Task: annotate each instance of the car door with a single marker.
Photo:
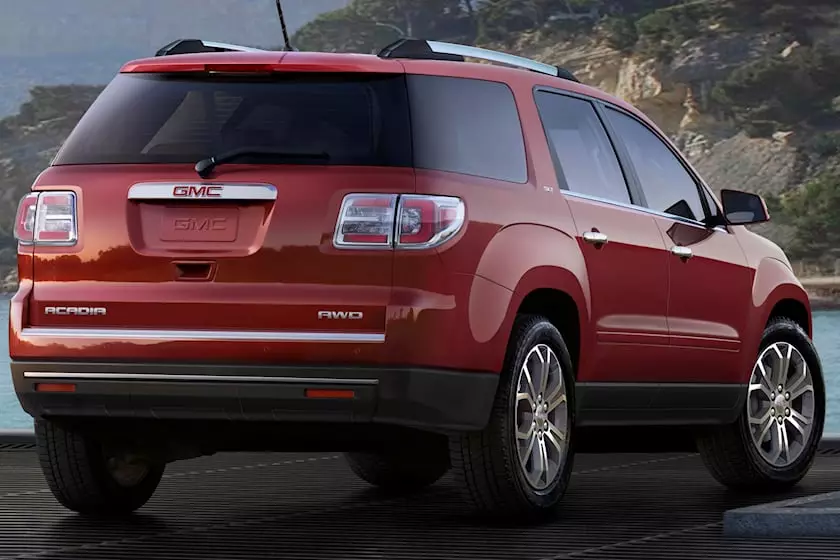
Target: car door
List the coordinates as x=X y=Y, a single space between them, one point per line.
x=625 y=257
x=710 y=281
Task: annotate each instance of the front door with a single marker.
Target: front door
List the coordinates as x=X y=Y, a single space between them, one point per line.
x=624 y=253
x=710 y=280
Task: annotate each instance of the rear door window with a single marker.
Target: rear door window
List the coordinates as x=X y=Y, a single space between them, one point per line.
x=356 y=119
x=467 y=126
x=585 y=157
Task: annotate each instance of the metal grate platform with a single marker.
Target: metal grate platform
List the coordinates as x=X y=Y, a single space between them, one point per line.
x=311 y=506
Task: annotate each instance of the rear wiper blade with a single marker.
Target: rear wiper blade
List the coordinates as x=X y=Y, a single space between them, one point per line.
x=205 y=167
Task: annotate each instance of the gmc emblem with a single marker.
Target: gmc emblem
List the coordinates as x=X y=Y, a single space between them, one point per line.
x=194 y=224
x=192 y=191
x=79 y=311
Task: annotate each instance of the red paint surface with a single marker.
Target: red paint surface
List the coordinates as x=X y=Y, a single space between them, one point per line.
x=644 y=314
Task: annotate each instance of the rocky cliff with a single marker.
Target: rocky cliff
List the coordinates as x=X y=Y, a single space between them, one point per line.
x=749 y=89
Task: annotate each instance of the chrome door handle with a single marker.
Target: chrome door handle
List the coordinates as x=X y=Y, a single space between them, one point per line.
x=682 y=252
x=595 y=237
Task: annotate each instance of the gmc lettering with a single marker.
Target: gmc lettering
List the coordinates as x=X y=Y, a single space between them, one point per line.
x=193 y=191
x=206 y=224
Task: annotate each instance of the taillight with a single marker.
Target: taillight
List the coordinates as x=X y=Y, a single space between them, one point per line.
x=47 y=218
x=386 y=221
x=366 y=221
x=25 y=221
x=427 y=221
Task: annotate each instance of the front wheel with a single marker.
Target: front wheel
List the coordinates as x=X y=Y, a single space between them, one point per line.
x=520 y=464
x=774 y=442
x=85 y=478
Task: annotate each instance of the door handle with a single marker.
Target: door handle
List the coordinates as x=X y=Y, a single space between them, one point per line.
x=684 y=253
x=595 y=238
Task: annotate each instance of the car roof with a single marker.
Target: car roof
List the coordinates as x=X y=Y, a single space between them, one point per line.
x=283 y=61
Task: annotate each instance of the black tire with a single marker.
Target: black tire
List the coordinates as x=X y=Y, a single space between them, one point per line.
x=486 y=464
x=75 y=467
x=729 y=452
x=401 y=469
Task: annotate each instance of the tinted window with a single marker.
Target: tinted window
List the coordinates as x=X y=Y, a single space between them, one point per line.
x=667 y=186
x=467 y=126
x=581 y=147
x=142 y=118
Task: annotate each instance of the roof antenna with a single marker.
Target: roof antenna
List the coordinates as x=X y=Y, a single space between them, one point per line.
x=287 y=42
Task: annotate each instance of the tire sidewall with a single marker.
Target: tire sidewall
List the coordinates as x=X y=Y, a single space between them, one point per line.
x=540 y=332
x=789 y=332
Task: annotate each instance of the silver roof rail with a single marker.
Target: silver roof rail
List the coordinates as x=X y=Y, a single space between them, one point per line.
x=436 y=50
x=190 y=46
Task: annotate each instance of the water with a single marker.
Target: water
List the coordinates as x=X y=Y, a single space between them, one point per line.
x=826 y=336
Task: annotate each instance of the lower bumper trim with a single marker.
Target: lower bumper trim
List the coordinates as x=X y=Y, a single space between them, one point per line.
x=429 y=399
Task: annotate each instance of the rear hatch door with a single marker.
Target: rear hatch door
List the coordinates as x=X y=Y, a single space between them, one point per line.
x=251 y=246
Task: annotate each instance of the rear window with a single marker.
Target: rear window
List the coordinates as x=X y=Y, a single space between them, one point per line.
x=356 y=119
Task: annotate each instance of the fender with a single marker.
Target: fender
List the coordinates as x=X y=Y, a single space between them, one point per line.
x=523 y=258
x=774 y=281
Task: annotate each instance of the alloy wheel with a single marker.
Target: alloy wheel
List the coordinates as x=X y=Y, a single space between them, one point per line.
x=542 y=417
x=781 y=404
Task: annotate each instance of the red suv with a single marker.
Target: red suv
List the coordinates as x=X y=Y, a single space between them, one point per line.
x=428 y=264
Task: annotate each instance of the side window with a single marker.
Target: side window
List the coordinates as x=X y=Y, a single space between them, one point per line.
x=467 y=126
x=582 y=150
x=667 y=185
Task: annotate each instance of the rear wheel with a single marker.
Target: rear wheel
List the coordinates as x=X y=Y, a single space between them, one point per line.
x=774 y=442
x=401 y=469
x=86 y=478
x=520 y=464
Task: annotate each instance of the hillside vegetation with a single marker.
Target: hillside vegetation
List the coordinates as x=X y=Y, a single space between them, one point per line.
x=749 y=89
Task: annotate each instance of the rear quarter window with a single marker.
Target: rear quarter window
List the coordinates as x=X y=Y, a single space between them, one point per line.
x=467 y=126
x=357 y=119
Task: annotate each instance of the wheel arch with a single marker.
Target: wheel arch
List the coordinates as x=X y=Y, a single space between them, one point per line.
x=561 y=310
x=795 y=310
x=776 y=293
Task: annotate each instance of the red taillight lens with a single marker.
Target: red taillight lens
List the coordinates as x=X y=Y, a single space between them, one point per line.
x=366 y=221
x=47 y=218
x=402 y=221
x=25 y=220
x=427 y=221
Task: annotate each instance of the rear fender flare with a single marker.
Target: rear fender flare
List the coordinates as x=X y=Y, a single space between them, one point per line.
x=521 y=259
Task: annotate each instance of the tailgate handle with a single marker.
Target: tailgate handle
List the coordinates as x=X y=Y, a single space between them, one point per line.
x=195 y=271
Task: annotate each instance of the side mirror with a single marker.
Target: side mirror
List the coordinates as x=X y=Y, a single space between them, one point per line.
x=742 y=208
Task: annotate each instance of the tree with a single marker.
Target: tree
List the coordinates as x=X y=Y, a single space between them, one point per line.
x=369 y=25
x=813 y=212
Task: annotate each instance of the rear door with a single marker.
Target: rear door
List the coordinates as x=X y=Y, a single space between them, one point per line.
x=249 y=248
x=626 y=261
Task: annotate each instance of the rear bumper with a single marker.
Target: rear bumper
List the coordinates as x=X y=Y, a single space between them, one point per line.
x=421 y=398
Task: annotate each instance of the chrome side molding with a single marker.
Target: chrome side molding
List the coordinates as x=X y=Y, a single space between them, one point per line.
x=152 y=335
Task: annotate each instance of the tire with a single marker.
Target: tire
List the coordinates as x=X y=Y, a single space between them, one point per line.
x=486 y=464
x=77 y=473
x=401 y=469
x=731 y=454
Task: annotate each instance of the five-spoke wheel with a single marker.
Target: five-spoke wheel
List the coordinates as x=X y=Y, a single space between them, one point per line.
x=541 y=416
x=773 y=444
x=781 y=404
x=520 y=464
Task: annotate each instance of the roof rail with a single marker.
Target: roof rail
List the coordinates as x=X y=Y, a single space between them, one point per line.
x=436 y=50
x=189 y=46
